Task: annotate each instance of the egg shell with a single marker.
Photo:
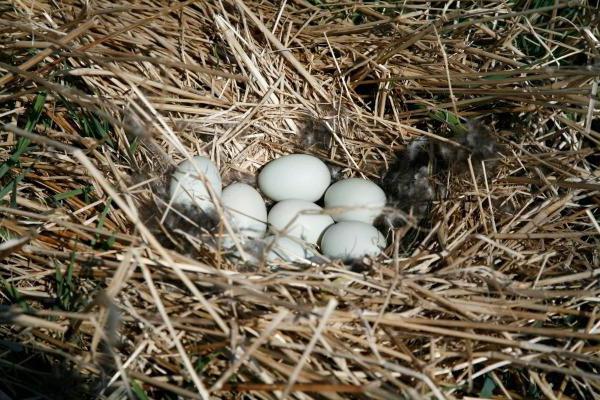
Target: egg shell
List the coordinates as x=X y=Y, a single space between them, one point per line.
x=188 y=189
x=245 y=209
x=299 y=218
x=355 y=200
x=283 y=248
x=294 y=177
x=349 y=240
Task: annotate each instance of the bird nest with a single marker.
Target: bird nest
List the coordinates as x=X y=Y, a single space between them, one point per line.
x=490 y=289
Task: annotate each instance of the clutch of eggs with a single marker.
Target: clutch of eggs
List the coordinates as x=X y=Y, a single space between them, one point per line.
x=344 y=229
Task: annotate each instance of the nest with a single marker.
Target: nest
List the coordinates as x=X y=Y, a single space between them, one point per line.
x=491 y=292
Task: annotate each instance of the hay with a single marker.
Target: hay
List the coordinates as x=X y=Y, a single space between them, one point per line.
x=492 y=295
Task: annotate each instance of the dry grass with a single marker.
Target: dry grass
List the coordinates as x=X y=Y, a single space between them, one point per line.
x=494 y=294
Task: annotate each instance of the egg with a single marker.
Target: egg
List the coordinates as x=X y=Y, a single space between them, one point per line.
x=356 y=200
x=349 y=240
x=188 y=189
x=295 y=176
x=283 y=248
x=245 y=210
x=299 y=218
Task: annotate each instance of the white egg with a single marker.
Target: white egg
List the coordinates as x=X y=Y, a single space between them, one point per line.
x=299 y=218
x=188 y=189
x=245 y=209
x=355 y=200
x=288 y=249
x=352 y=239
x=295 y=176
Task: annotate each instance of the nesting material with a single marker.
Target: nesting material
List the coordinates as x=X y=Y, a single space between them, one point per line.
x=411 y=181
x=315 y=135
x=493 y=295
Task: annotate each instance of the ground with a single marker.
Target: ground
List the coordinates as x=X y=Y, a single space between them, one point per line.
x=490 y=293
